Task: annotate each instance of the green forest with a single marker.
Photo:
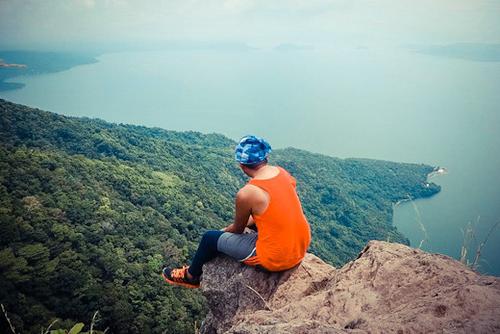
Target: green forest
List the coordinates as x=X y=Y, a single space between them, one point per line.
x=90 y=211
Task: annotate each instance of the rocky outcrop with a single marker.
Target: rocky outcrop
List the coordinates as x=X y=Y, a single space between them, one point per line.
x=389 y=288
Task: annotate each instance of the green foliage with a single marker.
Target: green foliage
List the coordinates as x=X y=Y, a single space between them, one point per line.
x=89 y=212
x=76 y=328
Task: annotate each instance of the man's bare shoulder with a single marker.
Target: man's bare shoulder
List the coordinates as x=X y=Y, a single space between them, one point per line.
x=253 y=195
x=247 y=191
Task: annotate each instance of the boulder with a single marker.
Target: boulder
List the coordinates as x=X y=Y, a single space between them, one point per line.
x=389 y=288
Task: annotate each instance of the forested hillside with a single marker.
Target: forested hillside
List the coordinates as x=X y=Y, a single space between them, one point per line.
x=90 y=211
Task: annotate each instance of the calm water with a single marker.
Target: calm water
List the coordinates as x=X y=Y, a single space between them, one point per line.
x=389 y=104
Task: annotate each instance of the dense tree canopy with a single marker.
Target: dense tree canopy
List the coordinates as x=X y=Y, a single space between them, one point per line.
x=90 y=211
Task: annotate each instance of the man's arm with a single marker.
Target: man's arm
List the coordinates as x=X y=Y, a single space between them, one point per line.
x=251 y=221
x=243 y=210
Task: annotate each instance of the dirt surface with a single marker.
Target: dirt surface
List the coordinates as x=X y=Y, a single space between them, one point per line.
x=389 y=288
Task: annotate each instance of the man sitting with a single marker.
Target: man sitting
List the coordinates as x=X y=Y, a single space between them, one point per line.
x=270 y=202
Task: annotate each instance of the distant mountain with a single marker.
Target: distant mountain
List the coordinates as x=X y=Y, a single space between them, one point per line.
x=89 y=212
x=483 y=52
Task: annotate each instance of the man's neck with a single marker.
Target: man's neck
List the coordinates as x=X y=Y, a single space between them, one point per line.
x=258 y=171
x=266 y=172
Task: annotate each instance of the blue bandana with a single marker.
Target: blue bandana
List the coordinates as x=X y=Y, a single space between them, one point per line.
x=252 y=150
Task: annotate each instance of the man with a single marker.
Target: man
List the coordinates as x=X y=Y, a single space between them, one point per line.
x=268 y=201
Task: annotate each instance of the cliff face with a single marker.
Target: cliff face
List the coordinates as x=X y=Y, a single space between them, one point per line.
x=389 y=288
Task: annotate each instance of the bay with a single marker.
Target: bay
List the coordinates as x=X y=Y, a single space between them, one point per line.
x=378 y=102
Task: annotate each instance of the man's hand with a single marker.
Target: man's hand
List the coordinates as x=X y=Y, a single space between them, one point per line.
x=249 y=229
x=229 y=228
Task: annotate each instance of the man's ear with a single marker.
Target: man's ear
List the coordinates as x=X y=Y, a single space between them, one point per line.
x=244 y=169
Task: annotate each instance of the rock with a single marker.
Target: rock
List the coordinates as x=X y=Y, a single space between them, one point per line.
x=389 y=288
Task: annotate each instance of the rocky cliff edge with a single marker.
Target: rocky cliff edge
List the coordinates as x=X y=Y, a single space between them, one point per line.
x=389 y=288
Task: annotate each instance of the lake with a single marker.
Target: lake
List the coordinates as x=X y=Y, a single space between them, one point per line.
x=374 y=102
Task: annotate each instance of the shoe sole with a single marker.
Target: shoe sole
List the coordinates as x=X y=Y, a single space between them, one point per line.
x=186 y=285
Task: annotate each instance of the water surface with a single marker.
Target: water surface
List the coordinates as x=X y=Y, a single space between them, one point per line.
x=382 y=103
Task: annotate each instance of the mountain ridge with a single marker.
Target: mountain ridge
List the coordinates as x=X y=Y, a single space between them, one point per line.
x=90 y=210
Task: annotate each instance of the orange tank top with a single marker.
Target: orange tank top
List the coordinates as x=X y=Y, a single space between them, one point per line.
x=283 y=231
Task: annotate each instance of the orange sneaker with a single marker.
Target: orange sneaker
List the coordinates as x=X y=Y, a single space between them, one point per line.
x=179 y=277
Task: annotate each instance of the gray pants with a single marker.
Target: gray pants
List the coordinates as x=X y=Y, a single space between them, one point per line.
x=237 y=246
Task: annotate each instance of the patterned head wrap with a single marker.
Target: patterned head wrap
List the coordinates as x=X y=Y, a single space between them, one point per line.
x=251 y=150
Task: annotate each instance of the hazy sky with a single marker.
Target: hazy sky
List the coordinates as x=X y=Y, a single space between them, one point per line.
x=67 y=23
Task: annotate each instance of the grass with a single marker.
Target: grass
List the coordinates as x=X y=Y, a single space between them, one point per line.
x=12 y=328
x=76 y=329
x=418 y=218
x=470 y=242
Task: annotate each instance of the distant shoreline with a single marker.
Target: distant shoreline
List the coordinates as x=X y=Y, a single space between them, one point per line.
x=435 y=172
x=31 y=63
